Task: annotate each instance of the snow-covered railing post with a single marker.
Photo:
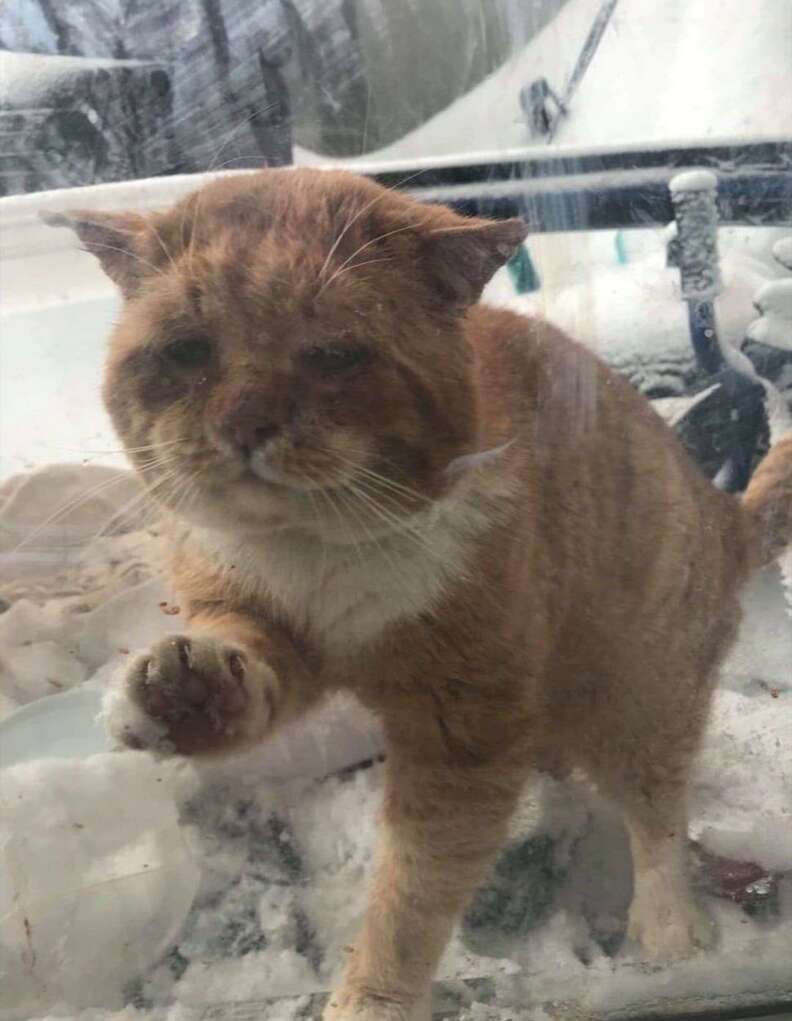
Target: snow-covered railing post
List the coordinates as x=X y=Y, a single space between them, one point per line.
x=694 y=196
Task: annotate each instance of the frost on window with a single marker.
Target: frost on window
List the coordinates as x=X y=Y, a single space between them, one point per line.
x=648 y=148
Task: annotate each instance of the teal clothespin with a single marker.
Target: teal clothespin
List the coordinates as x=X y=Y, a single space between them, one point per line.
x=523 y=272
x=621 y=248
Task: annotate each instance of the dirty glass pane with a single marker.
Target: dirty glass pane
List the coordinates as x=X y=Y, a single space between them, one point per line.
x=648 y=148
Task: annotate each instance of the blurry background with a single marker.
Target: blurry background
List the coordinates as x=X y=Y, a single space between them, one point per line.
x=100 y=90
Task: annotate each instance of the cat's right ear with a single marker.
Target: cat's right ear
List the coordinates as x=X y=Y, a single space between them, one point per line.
x=113 y=238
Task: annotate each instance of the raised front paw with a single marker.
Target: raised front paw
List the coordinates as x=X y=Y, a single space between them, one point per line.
x=193 y=694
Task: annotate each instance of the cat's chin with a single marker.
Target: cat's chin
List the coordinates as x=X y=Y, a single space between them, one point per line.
x=245 y=504
x=262 y=511
x=262 y=476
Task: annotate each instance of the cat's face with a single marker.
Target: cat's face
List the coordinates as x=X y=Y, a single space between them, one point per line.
x=291 y=349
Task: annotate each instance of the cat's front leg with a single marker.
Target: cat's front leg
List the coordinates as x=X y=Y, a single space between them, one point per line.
x=220 y=687
x=441 y=829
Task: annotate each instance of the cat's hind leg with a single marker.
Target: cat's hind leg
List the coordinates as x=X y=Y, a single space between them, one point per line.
x=665 y=916
x=642 y=760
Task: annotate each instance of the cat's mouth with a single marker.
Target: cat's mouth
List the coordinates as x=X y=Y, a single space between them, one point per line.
x=296 y=464
x=258 y=471
x=272 y=473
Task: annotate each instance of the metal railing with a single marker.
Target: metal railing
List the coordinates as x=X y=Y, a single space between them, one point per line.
x=610 y=190
x=617 y=190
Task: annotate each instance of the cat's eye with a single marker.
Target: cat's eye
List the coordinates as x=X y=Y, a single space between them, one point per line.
x=333 y=359
x=189 y=352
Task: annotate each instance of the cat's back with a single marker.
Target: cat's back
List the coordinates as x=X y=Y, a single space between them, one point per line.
x=607 y=492
x=572 y=409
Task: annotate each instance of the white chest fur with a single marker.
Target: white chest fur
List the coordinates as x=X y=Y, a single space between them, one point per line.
x=346 y=595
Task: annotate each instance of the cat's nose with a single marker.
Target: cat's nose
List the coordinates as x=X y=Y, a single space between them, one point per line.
x=247 y=431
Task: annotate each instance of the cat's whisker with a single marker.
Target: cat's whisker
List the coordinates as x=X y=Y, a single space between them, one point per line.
x=374 y=486
x=466 y=462
x=137 y=501
x=131 y=450
x=372 y=540
x=406 y=526
x=361 y=212
x=214 y=167
x=358 y=265
x=149 y=492
x=78 y=501
x=395 y=523
x=399 y=572
x=162 y=245
x=128 y=253
x=235 y=129
x=361 y=248
x=312 y=499
x=383 y=480
x=189 y=493
x=343 y=525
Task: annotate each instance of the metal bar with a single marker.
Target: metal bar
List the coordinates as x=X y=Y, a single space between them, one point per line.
x=721 y=1008
x=751 y=198
x=593 y=39
x=704 y=335
x=724 y=157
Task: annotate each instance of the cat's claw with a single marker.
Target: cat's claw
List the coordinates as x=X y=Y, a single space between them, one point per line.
x=195 y=694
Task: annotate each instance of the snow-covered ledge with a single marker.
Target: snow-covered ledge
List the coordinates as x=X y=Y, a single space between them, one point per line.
x=41 y=266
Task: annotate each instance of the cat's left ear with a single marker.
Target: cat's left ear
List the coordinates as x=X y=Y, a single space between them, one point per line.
x=462 y=258
x=113 y=238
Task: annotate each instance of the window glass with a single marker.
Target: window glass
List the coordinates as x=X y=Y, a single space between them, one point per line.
x=647 y=148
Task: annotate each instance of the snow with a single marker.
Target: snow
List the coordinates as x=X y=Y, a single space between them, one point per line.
x=694 y=180
x=774 y=327
x=92 y=889
x=120 y=717
x=694 y=195
x=261 y=883
x=775 y=331
x=266 y=890
x=66 y=389
x=632 y=314
x=256 y=867
x=27 y=29
x=775 y=299
x=782 y=251
x=30 y=78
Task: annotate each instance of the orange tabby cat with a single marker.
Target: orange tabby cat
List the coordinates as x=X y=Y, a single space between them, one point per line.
x=303 y=377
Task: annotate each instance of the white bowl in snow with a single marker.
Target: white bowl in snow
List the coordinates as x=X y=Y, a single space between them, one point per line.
x=59 y=726
x=95 y=876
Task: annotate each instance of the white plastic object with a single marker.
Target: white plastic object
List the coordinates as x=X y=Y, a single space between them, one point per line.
x=95 y=876
x=58 y=726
